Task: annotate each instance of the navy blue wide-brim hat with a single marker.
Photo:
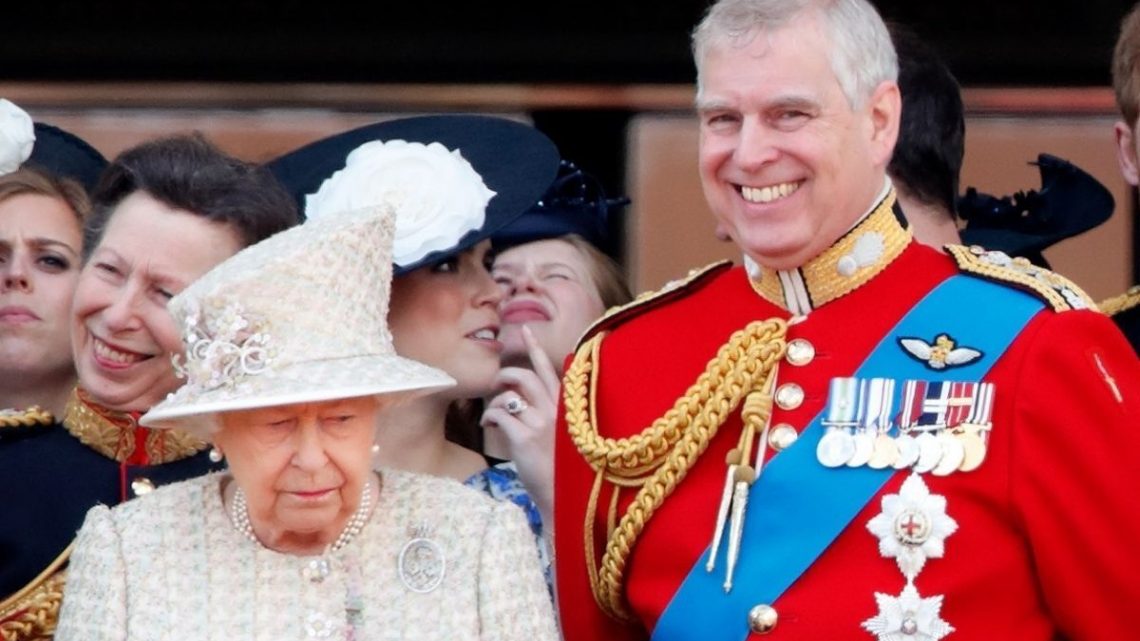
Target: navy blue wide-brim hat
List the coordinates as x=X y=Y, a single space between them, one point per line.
x=574 y=204
x=515 y=160
x=62 y=153
x=1070 y=202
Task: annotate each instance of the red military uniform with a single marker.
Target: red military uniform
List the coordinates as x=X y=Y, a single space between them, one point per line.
x=1048 y=528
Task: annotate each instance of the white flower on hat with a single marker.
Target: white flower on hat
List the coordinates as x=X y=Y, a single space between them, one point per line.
x=436 y=193
x=223 y=346
x=17 y=136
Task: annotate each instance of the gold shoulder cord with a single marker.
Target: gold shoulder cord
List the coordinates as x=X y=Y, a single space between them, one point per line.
x=32 y=613
x=34 y=415
x=1121 y=303
x=660 y=456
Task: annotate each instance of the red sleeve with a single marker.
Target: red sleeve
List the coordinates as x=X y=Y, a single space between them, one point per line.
x=1075 y=471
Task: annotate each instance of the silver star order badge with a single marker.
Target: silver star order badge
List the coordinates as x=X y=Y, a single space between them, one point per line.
x=913 y=526
x=908 y=617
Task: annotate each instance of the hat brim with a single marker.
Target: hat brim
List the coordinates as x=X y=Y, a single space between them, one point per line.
x=308 y=382
x=515 y=160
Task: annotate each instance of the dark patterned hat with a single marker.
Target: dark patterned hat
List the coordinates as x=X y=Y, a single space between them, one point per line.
x=1070 y=202
x=574 y=204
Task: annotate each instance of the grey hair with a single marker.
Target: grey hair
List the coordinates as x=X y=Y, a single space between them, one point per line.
x=861 y=52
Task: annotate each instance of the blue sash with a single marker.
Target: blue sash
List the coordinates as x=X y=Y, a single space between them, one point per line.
x=798 y=507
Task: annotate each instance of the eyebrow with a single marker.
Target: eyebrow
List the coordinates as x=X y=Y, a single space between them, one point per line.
x=156 y=276
x=50 y=242
x=515 y=267
x=41 y=243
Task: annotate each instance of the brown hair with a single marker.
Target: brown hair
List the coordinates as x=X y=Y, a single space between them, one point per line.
x=604 y=271
x=28 y=181
x=1125 y=71
x=188 y=173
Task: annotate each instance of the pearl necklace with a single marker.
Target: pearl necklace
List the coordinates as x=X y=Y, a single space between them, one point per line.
x=239 y=516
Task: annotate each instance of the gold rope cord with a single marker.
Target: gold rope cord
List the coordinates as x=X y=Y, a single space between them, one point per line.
x=1121 y=303
x=660 y=456
x=34 y=415
x=32 y=613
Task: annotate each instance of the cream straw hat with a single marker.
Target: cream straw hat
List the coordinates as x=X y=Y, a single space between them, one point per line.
x=298 y=317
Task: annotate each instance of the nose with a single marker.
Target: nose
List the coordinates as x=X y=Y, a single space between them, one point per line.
x=121 y=314
x=487 y=291
x=310 y=454
x=522 y=281
x=755 y=147
x=16 y=275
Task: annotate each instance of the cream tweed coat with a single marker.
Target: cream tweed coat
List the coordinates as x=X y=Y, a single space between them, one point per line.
x=171 y=566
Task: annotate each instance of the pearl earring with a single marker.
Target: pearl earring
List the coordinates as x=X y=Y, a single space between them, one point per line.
x=375 y=448
x=216 y=455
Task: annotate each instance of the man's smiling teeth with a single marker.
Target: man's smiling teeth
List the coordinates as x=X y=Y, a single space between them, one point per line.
x=106 y=352
x=768 y=194
x=485 y=334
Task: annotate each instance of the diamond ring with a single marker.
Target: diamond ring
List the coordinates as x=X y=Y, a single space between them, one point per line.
x=515 y=406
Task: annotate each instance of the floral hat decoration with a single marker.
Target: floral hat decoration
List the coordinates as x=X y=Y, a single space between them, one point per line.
x=299 y=317
x=453 y=179
x=24 y=143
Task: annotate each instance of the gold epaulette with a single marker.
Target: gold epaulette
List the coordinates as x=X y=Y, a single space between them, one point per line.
x=1058 y=292
x=32 y=613
x=1121 y=303
x=646 y=301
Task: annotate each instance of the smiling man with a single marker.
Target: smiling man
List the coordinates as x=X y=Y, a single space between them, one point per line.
x=853 y=436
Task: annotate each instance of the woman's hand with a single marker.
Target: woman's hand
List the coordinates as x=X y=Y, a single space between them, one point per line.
x=524 y=410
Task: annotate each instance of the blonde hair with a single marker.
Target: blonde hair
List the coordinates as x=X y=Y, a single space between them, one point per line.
x=606 y=275
x=28 y=181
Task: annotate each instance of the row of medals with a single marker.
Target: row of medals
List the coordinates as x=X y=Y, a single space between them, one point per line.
x=938 y=449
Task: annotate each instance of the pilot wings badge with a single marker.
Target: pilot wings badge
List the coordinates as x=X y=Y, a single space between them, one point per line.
x=941 y=354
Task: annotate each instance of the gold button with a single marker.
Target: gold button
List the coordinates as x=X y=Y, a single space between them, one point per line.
x=789 y=396
x=800 y=352
x=782 y=436
x=762 y=619
x=142 y=486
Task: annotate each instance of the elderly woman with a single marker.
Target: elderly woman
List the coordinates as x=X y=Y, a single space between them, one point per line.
x=165 y=212
x=289 y=363
x=456 y=180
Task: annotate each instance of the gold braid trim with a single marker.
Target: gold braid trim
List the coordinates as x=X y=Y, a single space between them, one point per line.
x=32 y=416
x=1058 y=292
x=1121 y=303
x=113 y=433
x=658 y=458
x=32 y=613
x=821 y=275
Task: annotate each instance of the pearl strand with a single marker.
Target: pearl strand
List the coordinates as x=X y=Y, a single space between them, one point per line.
x=239 y=516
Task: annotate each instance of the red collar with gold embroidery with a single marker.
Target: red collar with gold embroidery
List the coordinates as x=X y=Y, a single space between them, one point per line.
x=118 y=435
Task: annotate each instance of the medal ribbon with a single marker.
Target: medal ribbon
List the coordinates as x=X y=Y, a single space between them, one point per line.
x=798 y=506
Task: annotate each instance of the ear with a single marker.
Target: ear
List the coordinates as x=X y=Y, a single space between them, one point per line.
x=884 y=111
x=1126 y=153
